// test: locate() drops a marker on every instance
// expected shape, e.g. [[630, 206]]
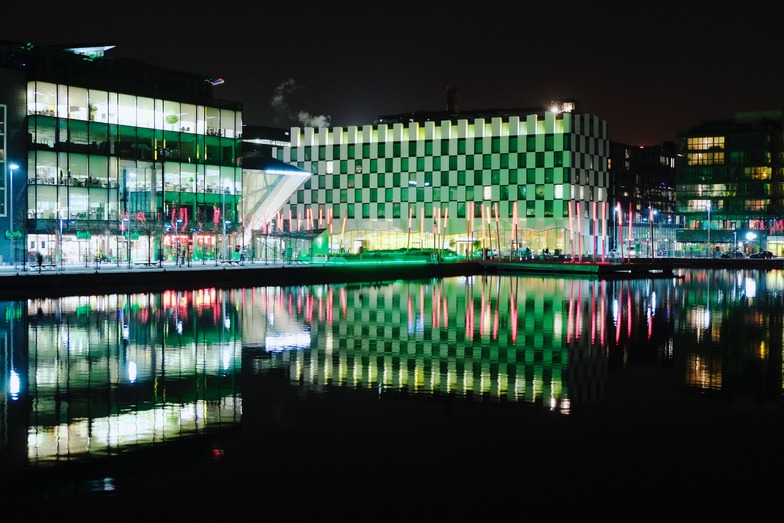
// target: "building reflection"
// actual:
[[729, 331], [98, 375]]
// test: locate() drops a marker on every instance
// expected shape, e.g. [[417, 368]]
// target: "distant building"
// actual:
[[496, 179], [730, 184], [642, 180]]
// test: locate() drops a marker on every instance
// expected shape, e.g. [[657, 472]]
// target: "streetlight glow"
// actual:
[[710, 254], [12, 167]]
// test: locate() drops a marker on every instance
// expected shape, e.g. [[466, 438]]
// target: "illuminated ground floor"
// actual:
[[307, 245]]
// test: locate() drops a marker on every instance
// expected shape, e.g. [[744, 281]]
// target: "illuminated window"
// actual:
[[705, 143]]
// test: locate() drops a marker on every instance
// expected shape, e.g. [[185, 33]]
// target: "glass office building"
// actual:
[[730, 184], [114, 160]]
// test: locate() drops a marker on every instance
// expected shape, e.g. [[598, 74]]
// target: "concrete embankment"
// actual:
[[110, 280]]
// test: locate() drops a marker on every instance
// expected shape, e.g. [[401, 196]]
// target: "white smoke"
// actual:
[[283, 113]]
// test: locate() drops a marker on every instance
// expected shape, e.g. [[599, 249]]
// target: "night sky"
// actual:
[[649, 70]]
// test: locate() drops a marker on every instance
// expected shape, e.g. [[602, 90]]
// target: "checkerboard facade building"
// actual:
[[537, 180]]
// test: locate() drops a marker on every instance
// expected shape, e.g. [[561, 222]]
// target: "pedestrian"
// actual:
[[40, 259]]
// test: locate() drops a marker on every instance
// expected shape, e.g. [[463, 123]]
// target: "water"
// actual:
[[508, 395]]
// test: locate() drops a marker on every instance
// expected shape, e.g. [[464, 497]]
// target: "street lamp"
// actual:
[[709, 231], [651, 213], [223, 219], [127, 225], [750, 237], [13, 167]]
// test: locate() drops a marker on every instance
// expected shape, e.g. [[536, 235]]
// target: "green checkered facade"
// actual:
[[395, 179]]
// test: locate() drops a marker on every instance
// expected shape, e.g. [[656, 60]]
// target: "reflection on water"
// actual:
[[104, 375]]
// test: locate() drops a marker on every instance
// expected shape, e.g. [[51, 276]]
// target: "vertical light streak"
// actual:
[[579, 218], [595, 228], [631, 236]]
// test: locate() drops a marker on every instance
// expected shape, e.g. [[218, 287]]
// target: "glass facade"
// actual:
[[118, 177], [730, 185]]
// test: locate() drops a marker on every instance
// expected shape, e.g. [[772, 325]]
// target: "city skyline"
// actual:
[[649, 76]]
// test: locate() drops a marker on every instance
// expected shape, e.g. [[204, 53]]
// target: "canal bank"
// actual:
[[109, 279], [103, 278]]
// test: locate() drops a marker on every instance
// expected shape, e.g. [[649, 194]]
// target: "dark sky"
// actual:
[[649, 71]]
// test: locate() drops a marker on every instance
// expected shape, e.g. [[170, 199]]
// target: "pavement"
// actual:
[[105, 278]]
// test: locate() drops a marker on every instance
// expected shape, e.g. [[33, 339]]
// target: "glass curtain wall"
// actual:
[[116, 177]]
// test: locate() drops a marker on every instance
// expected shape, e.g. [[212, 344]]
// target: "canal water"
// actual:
[[480, 396]]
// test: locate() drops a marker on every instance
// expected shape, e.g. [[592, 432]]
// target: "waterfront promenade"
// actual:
[[104, 278]]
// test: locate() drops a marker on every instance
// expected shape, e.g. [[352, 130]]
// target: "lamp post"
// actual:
[[651, 246], [12, 167], [223, 219], [127, 223], [750, 237], [710, 254]]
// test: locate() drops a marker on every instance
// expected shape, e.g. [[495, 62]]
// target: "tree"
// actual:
[[153, 228]]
